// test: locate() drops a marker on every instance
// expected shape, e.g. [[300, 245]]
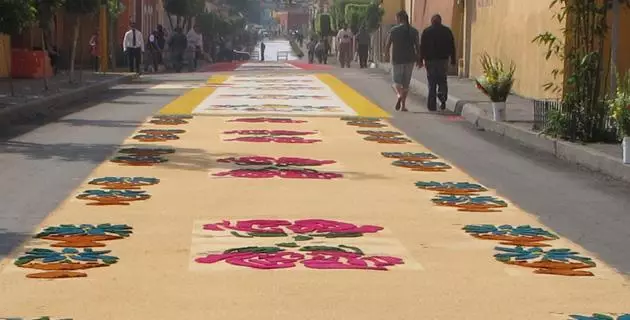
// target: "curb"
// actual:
[[567, 151], [57, 101]]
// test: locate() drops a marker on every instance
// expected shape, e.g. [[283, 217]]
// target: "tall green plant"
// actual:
[[581, 49], [356, 16], [78, 8], [620, 105]]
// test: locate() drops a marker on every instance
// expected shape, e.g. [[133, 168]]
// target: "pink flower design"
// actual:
[[330, 226], [256, 226], [347, 260], [265, 261]]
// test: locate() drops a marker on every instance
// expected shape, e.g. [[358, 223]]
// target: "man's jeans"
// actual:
[[437, 71]]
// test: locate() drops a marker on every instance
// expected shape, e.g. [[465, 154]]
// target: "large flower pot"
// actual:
[[625, 144], [498, 111]]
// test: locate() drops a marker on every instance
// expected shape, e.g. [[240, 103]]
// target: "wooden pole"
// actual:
[[102, 39]]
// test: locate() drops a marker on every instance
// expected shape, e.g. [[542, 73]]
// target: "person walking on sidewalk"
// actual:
[[310, 47], [133, 46], [195, 46], [363, 46], [94, 51], [344, 43], [437, 47], [178, 44], [262, 51], [321, 51], [404, 42]]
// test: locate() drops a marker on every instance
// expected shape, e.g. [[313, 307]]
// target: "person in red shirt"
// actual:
[[94, 51]]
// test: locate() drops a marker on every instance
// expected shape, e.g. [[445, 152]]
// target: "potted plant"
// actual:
[[496, 82], [620, 107]]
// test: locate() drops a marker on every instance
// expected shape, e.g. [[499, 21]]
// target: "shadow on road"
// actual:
[[10, 240]]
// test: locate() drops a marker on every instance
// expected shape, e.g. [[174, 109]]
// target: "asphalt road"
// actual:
[[41, 167]]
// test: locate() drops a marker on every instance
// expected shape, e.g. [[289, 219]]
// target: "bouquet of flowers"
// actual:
[[620, 105], [497, 80]]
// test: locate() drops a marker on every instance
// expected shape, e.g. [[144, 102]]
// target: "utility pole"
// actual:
[[614, 45]]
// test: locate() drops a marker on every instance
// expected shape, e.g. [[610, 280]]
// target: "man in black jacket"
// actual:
[[437, 47]]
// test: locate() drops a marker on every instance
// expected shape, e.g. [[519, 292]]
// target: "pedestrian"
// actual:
[[344, 45], [404, 42], [94, 51], [178, 44], [262, 51], [195, 46], [363, 46], [310, 46], [437, 47], [155, 49], [133, 46], [321, 52]]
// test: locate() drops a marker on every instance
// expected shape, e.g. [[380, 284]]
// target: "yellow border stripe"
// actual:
[[186, 103], [363, 106]]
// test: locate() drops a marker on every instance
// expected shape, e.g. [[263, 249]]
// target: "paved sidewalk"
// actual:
[[475, 107], [30, 95]]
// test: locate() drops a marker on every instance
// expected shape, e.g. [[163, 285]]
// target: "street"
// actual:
[[272, 192]]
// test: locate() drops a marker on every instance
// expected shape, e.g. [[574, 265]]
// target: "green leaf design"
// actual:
[[236, 234], [288, 245], [302, 238]]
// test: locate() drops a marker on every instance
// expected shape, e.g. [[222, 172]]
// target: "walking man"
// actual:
[[94, 51], [133, 46], [178, 44], [344, 45], [195, 46], [363, 47], [404, 42], [437, 47], [262, 51]]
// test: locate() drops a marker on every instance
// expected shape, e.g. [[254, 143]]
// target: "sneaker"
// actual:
[[443, 106]]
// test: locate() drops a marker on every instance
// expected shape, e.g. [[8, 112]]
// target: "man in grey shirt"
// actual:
[[404, 42]]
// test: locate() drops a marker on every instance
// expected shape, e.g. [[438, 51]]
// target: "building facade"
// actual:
[[505, 29]]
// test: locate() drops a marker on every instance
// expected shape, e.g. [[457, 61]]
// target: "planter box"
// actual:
[[30, 64]]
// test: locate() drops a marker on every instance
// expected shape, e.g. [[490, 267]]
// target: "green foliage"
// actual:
[[620, 105], [115, 8], [338, 11], [323, 25], [16, 15], [582, 53], [184, 8], [356, 16], [497, 80], [212, 24], [82, 6]]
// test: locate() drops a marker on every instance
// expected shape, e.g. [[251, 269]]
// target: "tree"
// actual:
[[184, 10], [114, 9], [79, 8], [16, 15]]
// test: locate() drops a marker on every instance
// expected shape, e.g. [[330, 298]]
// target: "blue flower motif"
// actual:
[[446, 187], [600, 316], [553, 255], [519, 231], [66, 255], [121, 230], [140, 181]]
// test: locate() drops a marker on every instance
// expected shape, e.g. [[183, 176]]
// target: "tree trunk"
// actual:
[[75, 40], [44, 61]]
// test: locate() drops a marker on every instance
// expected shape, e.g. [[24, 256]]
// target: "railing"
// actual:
[[542, 109]]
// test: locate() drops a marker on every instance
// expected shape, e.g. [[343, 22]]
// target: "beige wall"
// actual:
[[451, 13], [505, 29], [392, 7]]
